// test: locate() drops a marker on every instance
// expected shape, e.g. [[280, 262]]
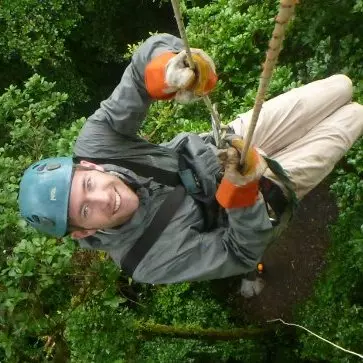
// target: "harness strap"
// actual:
[[274, 196], [161, 219], [275, 200]]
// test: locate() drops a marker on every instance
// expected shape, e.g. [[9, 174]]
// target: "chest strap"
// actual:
[[153, 231]]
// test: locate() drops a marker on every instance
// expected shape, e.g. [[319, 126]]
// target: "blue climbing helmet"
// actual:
[[44, 195]]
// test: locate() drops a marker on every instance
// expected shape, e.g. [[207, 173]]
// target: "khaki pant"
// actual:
[[307, 130]]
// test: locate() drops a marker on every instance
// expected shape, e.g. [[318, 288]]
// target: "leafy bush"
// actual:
[[338, 300], [36, 30], [101, 330], [193, 305], [53, 293], [27, 117], [78, 44]]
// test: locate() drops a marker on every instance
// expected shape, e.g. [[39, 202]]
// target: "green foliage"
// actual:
[[10, 228], [193, 305], [50, 290], [235, 34], [336, 311], [327, 40], [166, 119], [338, 300], [35, 283], [67, 138], [100, 334], [27, 115], [102, 328], [36, 30], [36, 290], [180, 351], [78, 44], [181, 303]]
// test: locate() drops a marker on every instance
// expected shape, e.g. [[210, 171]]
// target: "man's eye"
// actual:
[[88, 184], [85, 211]]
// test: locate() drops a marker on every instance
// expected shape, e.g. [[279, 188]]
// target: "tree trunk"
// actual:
[[200, 333]]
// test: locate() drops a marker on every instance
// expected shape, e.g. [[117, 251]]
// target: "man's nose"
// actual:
[[100, 198]]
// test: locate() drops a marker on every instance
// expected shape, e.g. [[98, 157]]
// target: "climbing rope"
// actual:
[[216, 122], [285, 13], [283, 17]]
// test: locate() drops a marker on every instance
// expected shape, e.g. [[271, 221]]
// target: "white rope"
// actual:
[[216, 122], [183, 35], [286, 11], [318, 336]]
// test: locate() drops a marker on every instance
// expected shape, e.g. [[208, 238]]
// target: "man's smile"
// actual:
[[117, 202]]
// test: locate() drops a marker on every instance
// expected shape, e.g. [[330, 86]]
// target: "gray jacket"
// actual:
[[185, 251]]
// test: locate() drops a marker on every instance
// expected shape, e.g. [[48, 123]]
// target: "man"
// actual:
[[107, 204]]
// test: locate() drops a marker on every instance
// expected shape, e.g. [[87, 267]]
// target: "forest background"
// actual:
[[58, 60]]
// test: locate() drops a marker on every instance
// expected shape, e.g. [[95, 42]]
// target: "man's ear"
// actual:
[[90, 165], [83, 233]]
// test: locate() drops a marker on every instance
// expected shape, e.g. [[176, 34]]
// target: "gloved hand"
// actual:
[[191, 84], [239, 186], [169, 76]]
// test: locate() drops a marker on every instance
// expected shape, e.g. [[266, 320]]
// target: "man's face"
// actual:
[[99, 200]]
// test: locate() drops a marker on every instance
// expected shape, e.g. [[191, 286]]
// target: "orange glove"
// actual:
[[239, 186], [169, 76]]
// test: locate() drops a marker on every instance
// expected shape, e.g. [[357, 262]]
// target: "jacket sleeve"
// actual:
[[123, 112], [184, 254]]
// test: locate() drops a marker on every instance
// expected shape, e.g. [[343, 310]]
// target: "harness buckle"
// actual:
[[190, 181], [275, 200]]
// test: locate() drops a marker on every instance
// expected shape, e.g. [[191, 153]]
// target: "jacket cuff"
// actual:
[[155, 77], [230, 195]]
